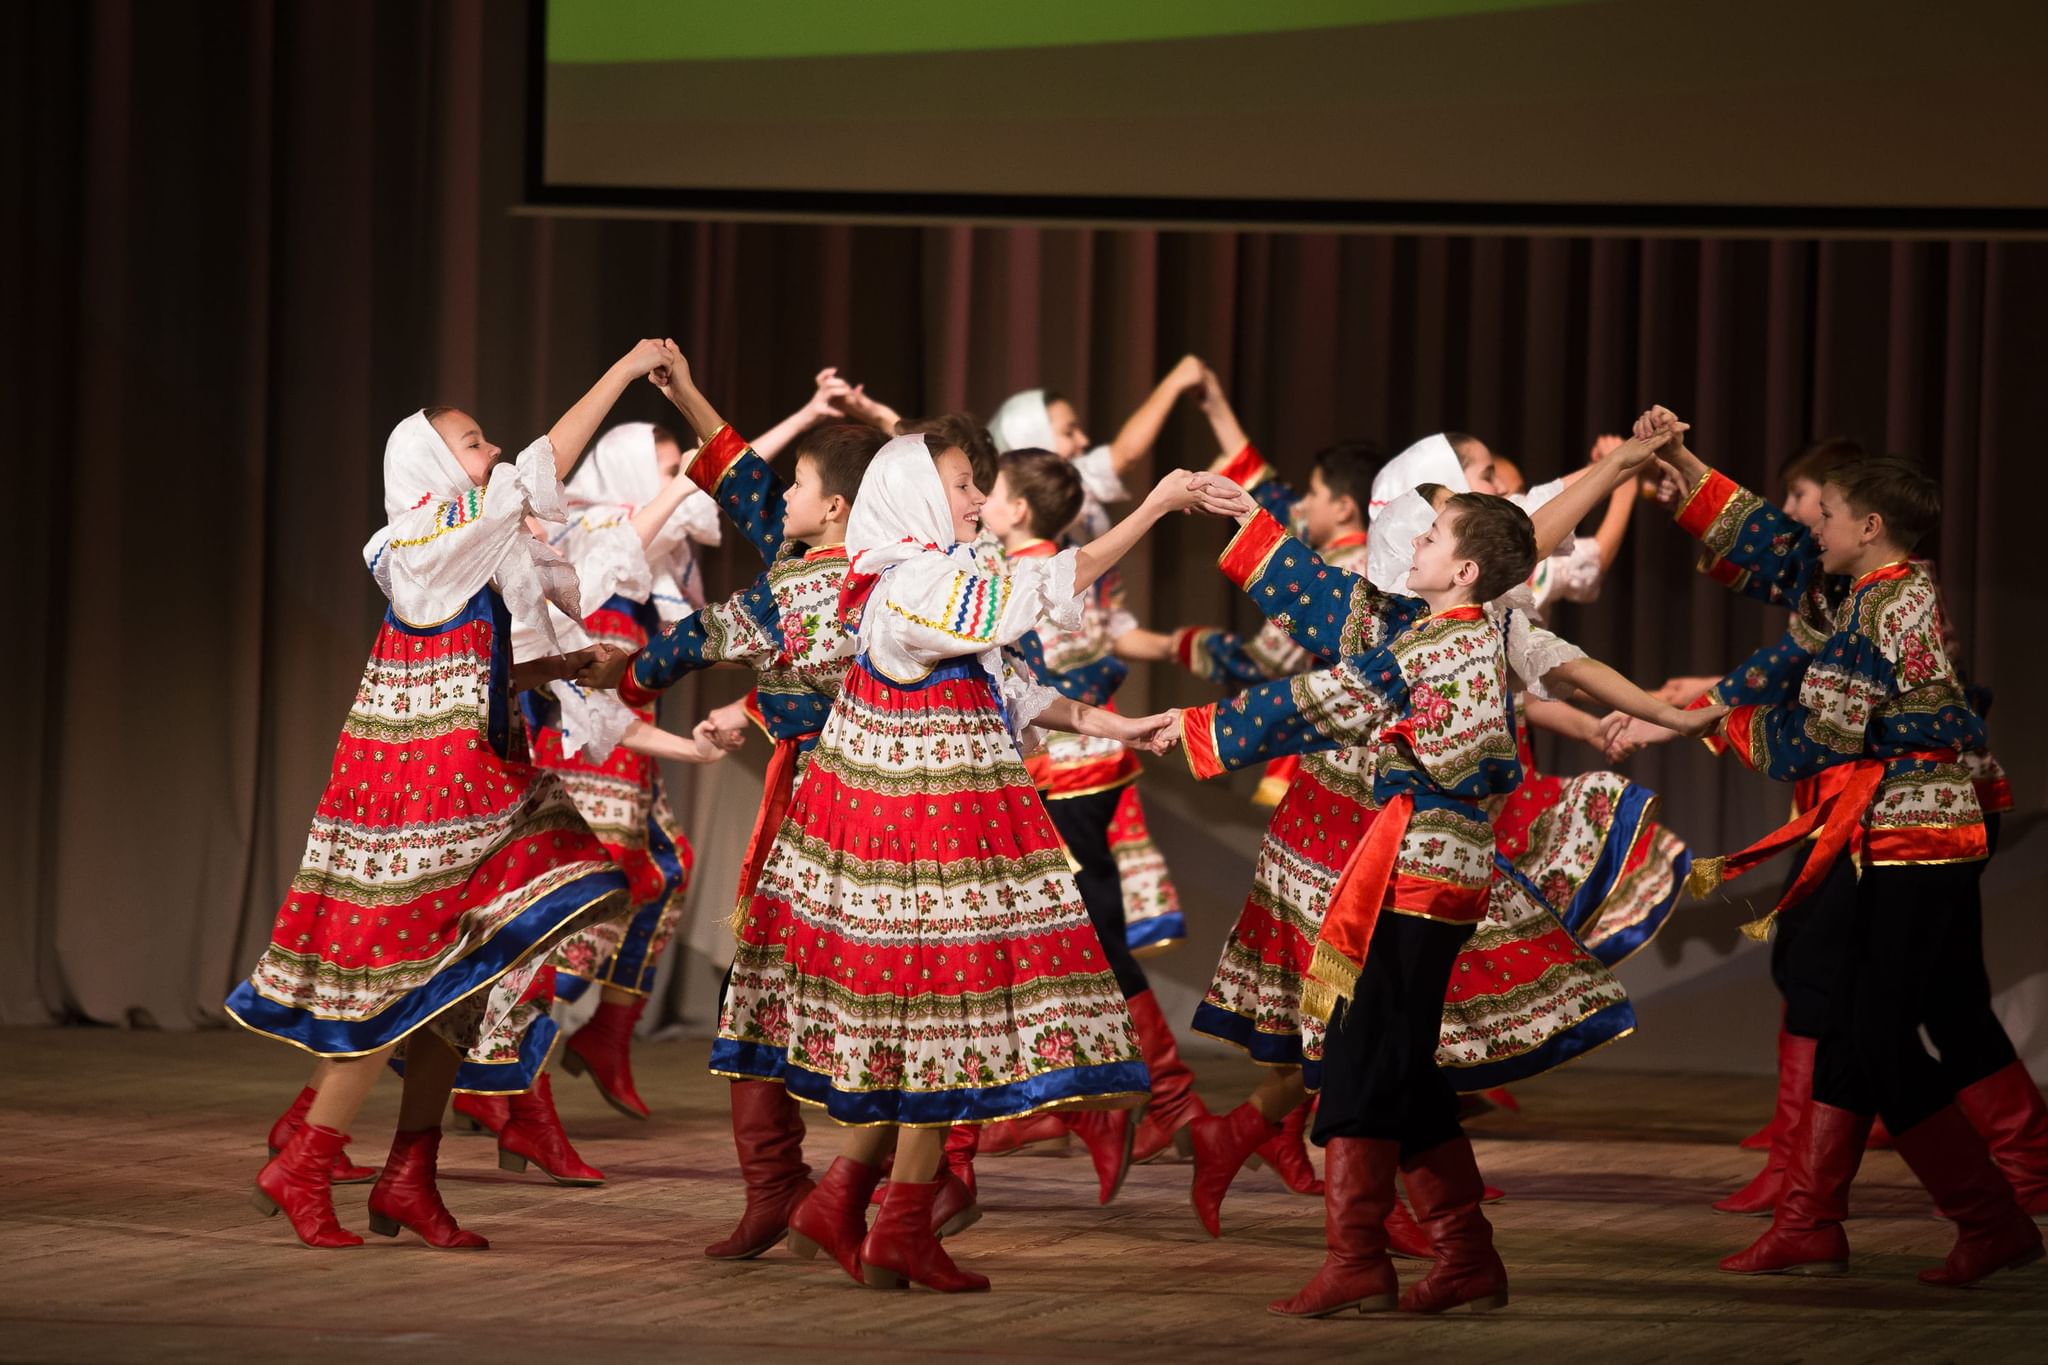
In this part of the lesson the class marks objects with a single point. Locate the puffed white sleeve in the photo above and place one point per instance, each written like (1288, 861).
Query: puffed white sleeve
(933, 609)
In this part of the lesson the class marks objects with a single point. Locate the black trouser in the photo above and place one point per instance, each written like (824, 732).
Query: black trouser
(1083, 822)
(1814, 938)
(1380, 1077)
(1911, 925)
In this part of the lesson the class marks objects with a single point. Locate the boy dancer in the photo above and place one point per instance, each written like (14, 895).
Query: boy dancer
(1879, 702)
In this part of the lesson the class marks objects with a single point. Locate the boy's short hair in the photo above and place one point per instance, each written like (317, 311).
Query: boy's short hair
(662, 433)
(1049, 485)
(1348, 468)
(1431, 492)
(841, 452)
(1497, 536)
(1897, 489)
(962, 429)
(1815, 462)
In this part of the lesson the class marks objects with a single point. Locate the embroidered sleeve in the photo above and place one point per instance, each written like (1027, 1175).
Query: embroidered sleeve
(1749, 546)
(944, 614)
(742, 629)
(1248, 470)
(1327, 611)
(1330, 708)
(745, 488)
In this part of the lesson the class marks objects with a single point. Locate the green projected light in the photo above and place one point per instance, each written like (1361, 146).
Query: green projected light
(589, 32)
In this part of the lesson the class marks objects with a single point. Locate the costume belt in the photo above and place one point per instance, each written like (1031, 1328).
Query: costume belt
(776, 791)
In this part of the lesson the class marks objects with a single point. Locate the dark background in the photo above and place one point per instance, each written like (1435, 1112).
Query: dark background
(242, 240)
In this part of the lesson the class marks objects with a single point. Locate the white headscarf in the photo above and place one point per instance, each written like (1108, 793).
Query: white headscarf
(1430, 460)
(446, 538)
(622, 475)
(1023, 422)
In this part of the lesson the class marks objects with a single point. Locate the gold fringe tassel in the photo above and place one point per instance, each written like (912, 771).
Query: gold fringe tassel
(1331, 977)
(1760, 929)
(1706, 876)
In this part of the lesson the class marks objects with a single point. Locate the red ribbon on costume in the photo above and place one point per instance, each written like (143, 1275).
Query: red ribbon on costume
(1840, 803)
(1355, 910)
(777, 789)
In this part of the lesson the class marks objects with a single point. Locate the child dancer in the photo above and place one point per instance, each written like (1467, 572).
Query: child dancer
(916, 954)
(629, 538)
(1427, 688)
(1084, 783)
(441, 867)
(784, 626)
(1038, 419)
(1879, 702)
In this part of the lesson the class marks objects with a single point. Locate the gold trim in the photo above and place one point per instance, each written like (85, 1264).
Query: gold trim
(1049, 795)
(1705, 479)
(1628, 1032)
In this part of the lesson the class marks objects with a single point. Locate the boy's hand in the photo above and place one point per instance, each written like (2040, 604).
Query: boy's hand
(1700, 722)
(1188, 373)
(706, 735)
(1154, 734)
(604, 670)
(1636, 452)
(1603, 446)
(861, 406)
(649, 355)
(1205, 492)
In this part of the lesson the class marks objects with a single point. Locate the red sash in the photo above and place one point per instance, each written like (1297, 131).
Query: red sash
(1355, 910)
(776, 791)
(1835, 818)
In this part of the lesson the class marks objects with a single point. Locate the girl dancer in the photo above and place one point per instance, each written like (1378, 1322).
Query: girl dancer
(916, 954)
(442, 866)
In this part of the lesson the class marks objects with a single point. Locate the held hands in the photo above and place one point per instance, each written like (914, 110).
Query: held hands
(1622, 735)
(1188, 373)
(829, 399)
(655, 356)
(1183, 491)
(604, 670)
(730, 721)
(1154, 734)
(709, 740)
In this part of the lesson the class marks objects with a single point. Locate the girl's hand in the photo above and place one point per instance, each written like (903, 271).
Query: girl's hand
(1188, 374)
(858, 404)
(1154, 734)
(709, 741)
(1700, 722)
(730, 720)
(829, 399)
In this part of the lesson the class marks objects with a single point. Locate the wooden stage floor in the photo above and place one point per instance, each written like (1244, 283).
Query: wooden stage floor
(126, 1234)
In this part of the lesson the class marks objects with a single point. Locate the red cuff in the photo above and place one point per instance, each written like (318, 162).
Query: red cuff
(1738, 733)
(1245, 557)
(717, 458)
(1695, 516)
(1715, 742)
(630, 690)
(1247, 469)
(1198, 740)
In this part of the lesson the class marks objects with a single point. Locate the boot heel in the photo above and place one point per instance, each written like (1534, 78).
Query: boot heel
(1381, 1303)
(959, 1222)
(384, 1225)
(1487, 1304)
(879, 1277)
(801, 1247)
(1822, 1268)
(510, 1161)
(263, 1203)
(573, 1063)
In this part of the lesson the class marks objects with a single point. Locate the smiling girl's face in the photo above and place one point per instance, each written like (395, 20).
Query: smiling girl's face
(963, 499)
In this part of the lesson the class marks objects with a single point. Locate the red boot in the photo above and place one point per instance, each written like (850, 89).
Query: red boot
(768, 1133)
(1806, 1237)
(1779, 1129)
(483, 1113)
(835, 1214)
(1880, 1139)
(1287, 1153)
(603, 1048)
(1008, 1135)
(901, 1247)
(957, 1207)
(1993, 1232)
(1358, 1198)
(1108, 1134)
(1444, 1183)
(296, 1180)
(346, 1172)
(1222, 1146)
(534, 1133)
(1174, 1103)
(2006, 1109)
(406, 1196)
(1795, 1089)
(1405, 1237)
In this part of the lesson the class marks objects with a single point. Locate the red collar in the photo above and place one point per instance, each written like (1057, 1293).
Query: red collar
(825, 552)
(1898, 568)
(1034, 549)
(1464, 611)
(1345, 542)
